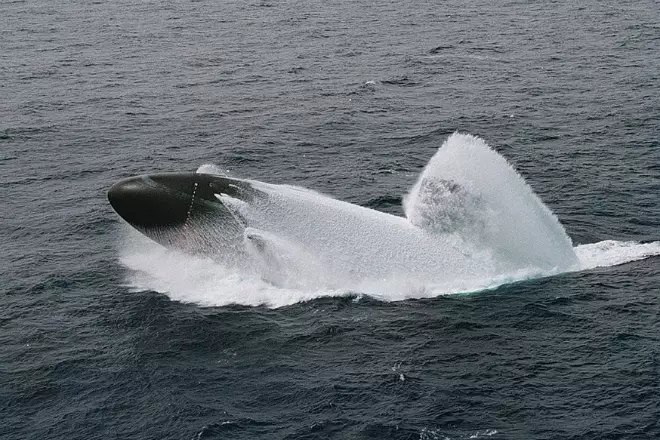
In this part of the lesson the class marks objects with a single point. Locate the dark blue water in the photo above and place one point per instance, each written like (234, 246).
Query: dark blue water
(351, 99)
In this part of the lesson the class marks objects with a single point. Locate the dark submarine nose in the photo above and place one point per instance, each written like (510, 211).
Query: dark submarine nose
(157, 201)
(177, 209)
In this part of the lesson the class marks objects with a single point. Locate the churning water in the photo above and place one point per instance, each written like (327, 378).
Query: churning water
(472, 223)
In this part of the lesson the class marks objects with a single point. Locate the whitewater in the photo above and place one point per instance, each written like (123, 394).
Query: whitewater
(471, 224)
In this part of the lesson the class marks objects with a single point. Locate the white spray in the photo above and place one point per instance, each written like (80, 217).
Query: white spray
(471, 223)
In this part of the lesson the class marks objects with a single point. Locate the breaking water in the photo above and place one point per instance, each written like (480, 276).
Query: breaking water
(472, 224)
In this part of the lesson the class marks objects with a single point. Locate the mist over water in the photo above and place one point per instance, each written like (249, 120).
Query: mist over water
(472, 223)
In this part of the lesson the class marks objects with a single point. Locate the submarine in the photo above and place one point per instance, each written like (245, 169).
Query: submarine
(469, 216)
(275, 227)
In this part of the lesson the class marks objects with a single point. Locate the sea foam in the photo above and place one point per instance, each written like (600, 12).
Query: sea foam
(472, 223)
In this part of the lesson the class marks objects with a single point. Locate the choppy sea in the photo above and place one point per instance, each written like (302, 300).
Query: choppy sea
(103, 335)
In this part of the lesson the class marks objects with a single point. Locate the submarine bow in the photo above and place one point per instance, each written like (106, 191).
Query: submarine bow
(179, 209)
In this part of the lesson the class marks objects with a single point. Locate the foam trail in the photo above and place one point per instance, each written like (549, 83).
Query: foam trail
(611, 253)
(471, 224)
(205, 282)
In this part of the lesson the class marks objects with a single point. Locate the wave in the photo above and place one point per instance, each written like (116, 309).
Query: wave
(472, 223)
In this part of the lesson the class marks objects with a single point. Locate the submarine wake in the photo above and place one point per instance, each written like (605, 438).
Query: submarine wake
(472, 223)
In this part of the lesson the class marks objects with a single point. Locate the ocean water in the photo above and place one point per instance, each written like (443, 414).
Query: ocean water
(103, 334)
